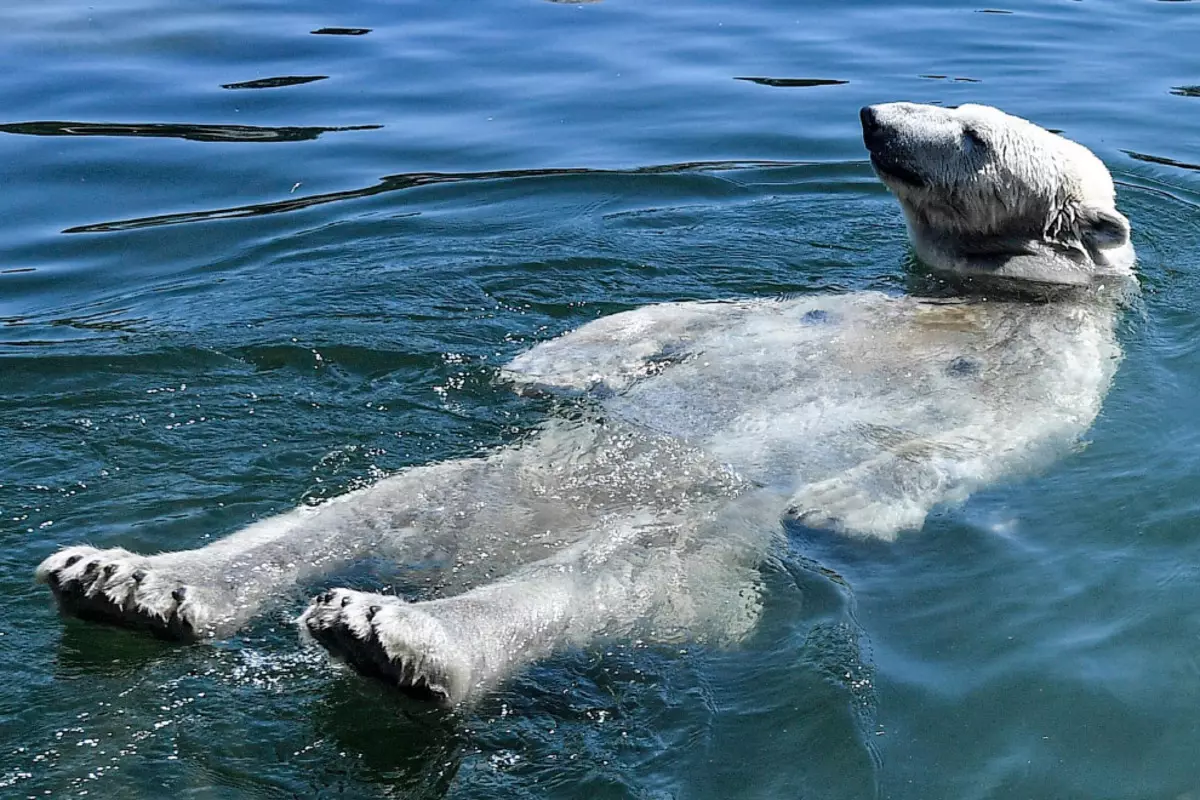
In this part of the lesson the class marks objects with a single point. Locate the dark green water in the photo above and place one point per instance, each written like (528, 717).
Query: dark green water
(246, 263)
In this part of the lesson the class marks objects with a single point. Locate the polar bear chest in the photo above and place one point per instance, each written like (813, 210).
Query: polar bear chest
(794, 390)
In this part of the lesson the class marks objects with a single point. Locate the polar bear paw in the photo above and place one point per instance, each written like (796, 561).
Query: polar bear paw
(846, 506)
(384, 637)
(123, 588)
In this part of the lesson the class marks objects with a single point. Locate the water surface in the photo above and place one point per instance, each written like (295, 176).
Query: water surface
(256, 253)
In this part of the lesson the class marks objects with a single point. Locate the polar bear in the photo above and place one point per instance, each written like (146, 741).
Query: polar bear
(687, 431)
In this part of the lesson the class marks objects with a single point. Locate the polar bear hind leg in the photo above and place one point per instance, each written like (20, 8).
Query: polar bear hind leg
(661, 579)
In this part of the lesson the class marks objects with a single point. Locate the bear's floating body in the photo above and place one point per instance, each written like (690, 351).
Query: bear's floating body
(700, 426)
(866, 409)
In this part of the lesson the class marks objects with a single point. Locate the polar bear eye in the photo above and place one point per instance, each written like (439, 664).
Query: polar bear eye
(974, 139)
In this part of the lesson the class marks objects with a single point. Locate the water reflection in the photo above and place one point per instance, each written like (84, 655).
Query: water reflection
(410, 180)
(414, 749)
(195, 133)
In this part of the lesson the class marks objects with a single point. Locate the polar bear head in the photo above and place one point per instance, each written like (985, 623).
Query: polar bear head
(987, 194)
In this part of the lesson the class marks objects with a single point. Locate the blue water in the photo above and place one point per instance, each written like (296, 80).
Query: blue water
(246, 264)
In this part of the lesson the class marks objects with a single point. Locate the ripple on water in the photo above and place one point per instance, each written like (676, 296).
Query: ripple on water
(231, 329)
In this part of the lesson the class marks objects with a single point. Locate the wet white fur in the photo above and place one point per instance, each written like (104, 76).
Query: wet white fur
(702, 425)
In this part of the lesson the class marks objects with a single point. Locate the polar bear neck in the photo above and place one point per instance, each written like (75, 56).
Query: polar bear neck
(1024, 259)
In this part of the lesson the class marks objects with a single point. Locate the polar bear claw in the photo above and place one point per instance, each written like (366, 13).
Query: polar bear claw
(397, 642)
(122, 588)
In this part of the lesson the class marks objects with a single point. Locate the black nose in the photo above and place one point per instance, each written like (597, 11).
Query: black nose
(870, 120)
(873, 130)
(867, 115)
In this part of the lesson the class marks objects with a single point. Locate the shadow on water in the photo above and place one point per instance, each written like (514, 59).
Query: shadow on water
(103, 650)
(1166, 162)
(793, 82)
(954, 80)
(194, 133)
(275, 82)
(414, 749)
(392, 183)
(341, 31)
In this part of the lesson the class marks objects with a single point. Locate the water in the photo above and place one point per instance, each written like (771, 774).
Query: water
(246, 264)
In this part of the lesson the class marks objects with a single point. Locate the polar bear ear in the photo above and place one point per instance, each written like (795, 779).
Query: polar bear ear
(1102, 228)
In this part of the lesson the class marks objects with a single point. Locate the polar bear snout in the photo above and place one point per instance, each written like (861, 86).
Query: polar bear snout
(882, 137)
(871, 125)
(876, 134)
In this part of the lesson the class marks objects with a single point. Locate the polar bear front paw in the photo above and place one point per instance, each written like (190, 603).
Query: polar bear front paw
(846, 506)
(401, 643)
(123, 588)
